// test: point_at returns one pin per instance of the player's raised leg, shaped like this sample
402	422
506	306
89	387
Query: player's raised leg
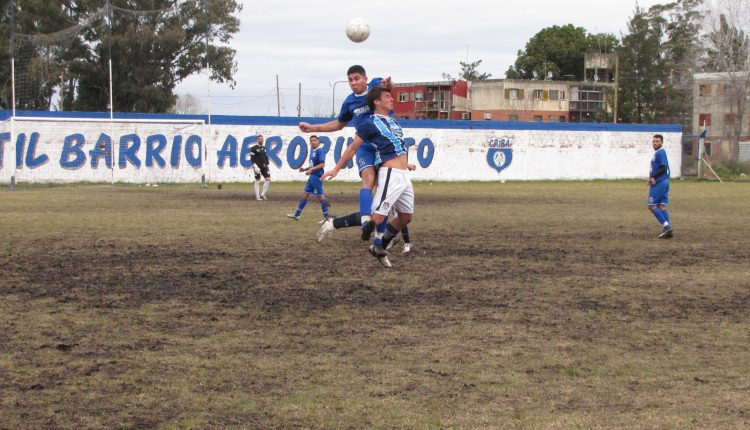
331	224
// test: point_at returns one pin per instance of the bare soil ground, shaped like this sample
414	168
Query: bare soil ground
523	305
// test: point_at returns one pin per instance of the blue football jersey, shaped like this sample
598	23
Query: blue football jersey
660	159
317	156
355	107
385	133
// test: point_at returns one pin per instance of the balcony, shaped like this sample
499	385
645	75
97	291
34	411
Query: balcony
433	106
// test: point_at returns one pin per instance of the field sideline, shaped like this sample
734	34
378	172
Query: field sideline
523	305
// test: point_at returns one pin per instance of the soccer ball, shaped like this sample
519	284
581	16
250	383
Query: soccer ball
357	30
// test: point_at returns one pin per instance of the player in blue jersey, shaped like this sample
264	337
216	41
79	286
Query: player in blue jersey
314	184
355	110
658	181
394	189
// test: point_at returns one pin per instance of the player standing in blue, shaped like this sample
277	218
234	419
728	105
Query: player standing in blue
314	184
658	181
394	190
355	110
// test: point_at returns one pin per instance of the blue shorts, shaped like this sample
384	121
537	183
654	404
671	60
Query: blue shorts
367	156
314	186
658	194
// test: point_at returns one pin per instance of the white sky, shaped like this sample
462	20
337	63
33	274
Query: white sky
411	40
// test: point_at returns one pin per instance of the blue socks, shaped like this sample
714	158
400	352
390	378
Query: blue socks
300	206
666	216
659	216
365	203
379	230
324	206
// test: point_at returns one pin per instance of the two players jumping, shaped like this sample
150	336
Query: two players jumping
378	142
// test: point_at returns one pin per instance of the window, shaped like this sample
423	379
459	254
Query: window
465	115
512	117
730	118
419	96
538	118
513	93
554	94
704	119
488	116
403	117
562	118
403	96
538	94
704	90
687	147
554	118
562	95
707	148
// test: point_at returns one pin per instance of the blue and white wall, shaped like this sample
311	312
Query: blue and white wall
136	148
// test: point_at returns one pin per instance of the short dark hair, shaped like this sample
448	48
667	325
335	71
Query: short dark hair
356	69
660	137
314	137
373	95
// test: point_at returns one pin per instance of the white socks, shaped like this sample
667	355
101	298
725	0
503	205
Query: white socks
257	190
266	184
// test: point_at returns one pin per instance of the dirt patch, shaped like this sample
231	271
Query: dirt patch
203	308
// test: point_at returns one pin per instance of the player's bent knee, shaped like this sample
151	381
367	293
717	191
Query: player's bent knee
368	177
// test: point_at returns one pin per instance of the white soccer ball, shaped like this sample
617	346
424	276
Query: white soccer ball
358	30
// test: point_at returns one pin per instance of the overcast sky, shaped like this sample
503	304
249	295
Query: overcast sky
411	40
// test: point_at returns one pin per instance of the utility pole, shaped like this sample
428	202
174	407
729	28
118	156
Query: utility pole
278	97
617	83
299	101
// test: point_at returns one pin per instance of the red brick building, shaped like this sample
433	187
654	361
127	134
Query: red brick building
431	100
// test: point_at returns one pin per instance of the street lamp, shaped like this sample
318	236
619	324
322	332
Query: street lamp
333	98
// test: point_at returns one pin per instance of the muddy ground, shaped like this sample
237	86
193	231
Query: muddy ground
522	305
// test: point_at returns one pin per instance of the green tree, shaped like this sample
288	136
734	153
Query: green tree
469	71
680	49
39	60
558	52
152	53
65	47
642	75
657	60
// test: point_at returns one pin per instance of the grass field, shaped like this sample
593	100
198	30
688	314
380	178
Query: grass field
523	305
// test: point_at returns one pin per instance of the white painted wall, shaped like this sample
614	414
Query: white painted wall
559	151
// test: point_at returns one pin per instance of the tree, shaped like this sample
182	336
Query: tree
152	53
155	45
728	51
187	104
38	59
641	80
680	50
469	71
559	51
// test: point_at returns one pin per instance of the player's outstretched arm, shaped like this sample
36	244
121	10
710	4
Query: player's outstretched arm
345	157
334	125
